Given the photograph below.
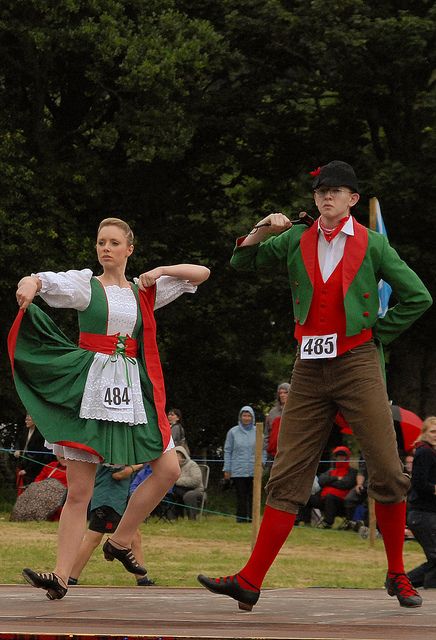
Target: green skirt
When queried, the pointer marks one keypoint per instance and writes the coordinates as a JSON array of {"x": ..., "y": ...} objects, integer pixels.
[{"x": 50, "y": 376}]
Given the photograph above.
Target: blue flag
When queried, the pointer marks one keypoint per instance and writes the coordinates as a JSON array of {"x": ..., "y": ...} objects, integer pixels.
[{"x": 384, "y": 289}]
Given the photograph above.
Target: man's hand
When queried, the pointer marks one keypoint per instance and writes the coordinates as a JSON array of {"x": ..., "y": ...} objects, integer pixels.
[{"x": 277, "y": 222}]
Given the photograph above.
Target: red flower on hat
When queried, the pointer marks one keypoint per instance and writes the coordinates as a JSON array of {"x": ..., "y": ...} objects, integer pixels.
[{"x": 315, "y": 172}]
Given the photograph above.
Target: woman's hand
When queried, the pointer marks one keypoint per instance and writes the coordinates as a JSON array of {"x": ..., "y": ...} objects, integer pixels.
[
  {"x": 27, "y": 289},
  {"x": 193, "y": 273},
  {"x": 149, "y": 278}
]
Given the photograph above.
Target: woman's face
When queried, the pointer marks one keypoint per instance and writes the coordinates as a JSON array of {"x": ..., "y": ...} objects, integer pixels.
[
  {"x": 172, "y": 417},
  {"x": 246, "y": 418},
  {"x": 430, "y": 435},
  {"x": 112, "y": 247},
  {"x": 29, "y": 422},
  {"x": 283, "y": 395}
]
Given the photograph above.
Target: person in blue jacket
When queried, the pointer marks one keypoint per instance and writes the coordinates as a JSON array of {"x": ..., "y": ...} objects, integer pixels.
[{"x": 239, "y": 454}]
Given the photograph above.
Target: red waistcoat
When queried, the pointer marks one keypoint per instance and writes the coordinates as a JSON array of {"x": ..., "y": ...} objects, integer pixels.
[{"x": 327, "y": 313}]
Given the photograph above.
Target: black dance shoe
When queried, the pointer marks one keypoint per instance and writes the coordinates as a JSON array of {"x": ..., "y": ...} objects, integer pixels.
[
  {"x": 125, "y": 556},
  {"x": 398, "y": 584},
  {"x": 48, "y": 581},
  {"x": 229, "y": 586}
]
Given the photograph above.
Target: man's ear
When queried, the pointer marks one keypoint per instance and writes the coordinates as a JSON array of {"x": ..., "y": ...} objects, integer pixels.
[{"x": 354, "y": 199}]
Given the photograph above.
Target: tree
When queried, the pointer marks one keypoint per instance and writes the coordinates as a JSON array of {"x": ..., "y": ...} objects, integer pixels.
[{"x": 192, "y": 120}]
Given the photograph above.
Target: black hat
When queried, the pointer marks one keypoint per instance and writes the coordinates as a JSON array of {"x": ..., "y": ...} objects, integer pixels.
[{"x": 335, "y": 174}]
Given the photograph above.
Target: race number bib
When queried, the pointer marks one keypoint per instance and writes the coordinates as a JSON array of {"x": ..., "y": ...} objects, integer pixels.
[
  {"x": 116, "y": 397},
  {"x": 313, "y": 347}
]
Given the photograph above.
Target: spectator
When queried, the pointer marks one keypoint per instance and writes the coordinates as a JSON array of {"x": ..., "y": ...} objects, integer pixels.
[
  {"x": 188, "y": 489},
  {"x": 177, "y": 429},
  {"x": 239, "y": 454},
  {"x": 355, "y": 503},
  {"x": 272, "y": 421},
  {"x": 408, "y": 463},
  {"x": 165, "y": 508},
  {"x": 421, "y": 517},
  {"x": 109, "y": 501},
  {"x": 31, "y": 454},
  {"x": 56, "y": 469},
  {"x": 335, "y": 485}
]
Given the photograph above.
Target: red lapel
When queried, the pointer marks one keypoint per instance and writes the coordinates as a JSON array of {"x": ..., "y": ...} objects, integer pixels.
[
  {"x": 354, "y": 253},
  {"x": 309, "y": 250},
  {"x": 152, "y": 360}
]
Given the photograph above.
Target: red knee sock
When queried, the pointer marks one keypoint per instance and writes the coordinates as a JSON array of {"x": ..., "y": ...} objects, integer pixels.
[
  {"x": 274, "y": 529},
  {"x": 391, "y": 520}
]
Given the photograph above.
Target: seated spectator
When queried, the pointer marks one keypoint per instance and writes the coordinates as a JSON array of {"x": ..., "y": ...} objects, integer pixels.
[
  {"x": 165, "y": 507},
  {"x": 57, "y": 470},
  {"x": 108, "y": 503},
  {"x": 188, "y": 489},
  {"x": 31, "y": 454},
  {"x": 335, "y": 485},
  {"x": 421, "y": 514},
  {"x": 309, "y": 515},
  {"x": 356, "y": 500}
]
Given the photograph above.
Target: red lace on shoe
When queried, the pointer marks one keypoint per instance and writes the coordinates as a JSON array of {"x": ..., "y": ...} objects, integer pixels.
[
  {"x": 402, "y": 585},
  {"x": 240, "y": 580}
]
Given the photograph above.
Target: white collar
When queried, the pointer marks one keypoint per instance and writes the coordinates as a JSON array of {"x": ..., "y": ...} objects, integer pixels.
[{"x": 348, "y": 227}]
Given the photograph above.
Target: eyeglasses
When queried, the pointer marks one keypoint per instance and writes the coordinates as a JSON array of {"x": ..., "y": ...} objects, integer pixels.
[{"x": 335, "y": 192}]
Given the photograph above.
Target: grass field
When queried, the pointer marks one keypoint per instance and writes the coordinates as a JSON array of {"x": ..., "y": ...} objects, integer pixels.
[{"x": 176, "y": 552}]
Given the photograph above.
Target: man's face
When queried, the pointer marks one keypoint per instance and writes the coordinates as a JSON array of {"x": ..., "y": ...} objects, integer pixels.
[
  {"x": 341, "y": 457},
  {"x": 334, "y": 203}
]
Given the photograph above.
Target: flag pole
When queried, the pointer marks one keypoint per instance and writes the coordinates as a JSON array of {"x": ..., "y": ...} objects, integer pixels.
[
  {"x": 372, "y": 213},
  {"x": 371, "y": 502},
  {"x": 257, "y": 484}
]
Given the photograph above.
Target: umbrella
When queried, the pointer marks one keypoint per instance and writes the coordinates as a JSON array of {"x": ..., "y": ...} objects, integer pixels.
[{"x": 407, "y": 427}]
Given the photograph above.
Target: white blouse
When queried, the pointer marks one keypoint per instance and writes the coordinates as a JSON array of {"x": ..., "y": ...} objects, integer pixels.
[{"x": 113, "y": 388}]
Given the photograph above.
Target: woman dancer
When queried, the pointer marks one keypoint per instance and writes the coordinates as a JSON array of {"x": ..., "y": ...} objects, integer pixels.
[{"x": 105, "y": 399}]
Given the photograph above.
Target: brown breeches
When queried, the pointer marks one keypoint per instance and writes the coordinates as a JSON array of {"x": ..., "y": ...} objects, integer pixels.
[{"x": 352, "y": 383}]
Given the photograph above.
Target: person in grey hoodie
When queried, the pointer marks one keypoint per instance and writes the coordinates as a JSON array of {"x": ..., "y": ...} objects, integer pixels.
[
  {"x": 239, "y": 452},
  {"x": 188, "y": 489}
]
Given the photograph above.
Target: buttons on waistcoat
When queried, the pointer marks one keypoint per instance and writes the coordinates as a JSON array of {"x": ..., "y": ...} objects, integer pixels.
[
  {"x": 366, "y": 314},
  {"x": 366, "y": 295}
]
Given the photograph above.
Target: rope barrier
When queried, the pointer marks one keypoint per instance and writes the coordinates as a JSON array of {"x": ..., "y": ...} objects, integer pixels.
[{"x": 167, "y": 501}]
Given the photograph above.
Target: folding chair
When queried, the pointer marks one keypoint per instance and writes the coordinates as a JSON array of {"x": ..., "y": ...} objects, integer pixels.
[{"x": 164, "y": 510}]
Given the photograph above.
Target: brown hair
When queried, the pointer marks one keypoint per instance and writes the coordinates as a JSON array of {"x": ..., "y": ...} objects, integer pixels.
[
  {"x": 428, "y": 422},
  {"x": 117, "y": 222}
]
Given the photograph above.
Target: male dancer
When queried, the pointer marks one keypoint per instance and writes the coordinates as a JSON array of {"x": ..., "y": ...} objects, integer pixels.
[{"x": 333, "y": 268}]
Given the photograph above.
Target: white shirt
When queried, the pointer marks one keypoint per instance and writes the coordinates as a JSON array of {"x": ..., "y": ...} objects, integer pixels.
[{"x": 330, "y": 253}]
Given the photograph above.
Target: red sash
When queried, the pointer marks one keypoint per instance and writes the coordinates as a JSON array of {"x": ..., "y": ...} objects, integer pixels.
[{"x": 108, "y": 344}]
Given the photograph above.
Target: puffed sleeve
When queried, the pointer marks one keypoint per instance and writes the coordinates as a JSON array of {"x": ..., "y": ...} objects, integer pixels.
[
  {"x": 66, "y": 289},
  {"x": 169, "y": 288}
]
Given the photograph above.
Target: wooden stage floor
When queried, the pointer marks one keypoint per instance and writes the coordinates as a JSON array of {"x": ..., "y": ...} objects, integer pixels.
[{"x": 164, "y": 613}]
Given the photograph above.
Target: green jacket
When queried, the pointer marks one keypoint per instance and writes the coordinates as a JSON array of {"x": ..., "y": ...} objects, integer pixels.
[{"x": 368, "y": 257}]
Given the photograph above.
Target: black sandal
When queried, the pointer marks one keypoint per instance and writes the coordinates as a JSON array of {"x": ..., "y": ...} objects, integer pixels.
[
  {"x": 125, "y": 556},
  {"x": 48, "y": 581}
]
